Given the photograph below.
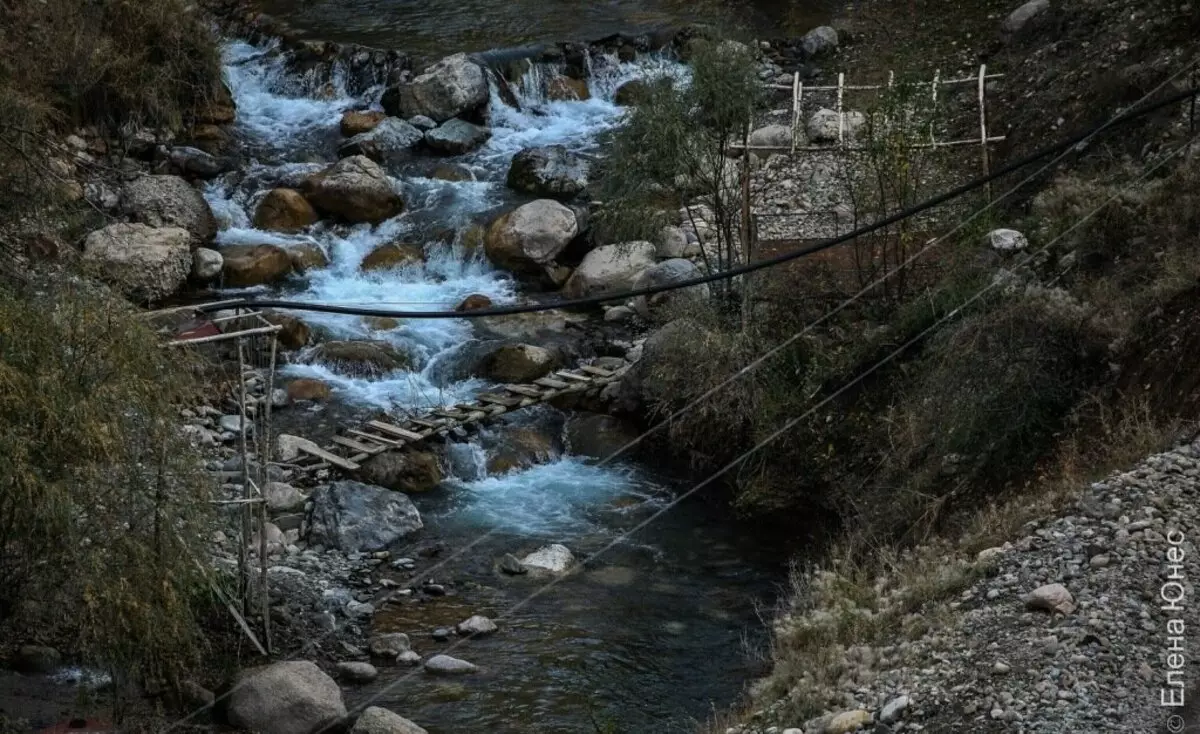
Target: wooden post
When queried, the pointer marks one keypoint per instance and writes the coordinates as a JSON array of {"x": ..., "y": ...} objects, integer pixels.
[
  {"x": 983, "y": 133},
  {"x": 243, "y": 570},
  {"x": 264, "y": 457},
  {"x": 797, "y": 89},
  {"x": 937, "y": 80},
  {"x": 745, "y": 233},
  {"x": 840, "y": 114}
]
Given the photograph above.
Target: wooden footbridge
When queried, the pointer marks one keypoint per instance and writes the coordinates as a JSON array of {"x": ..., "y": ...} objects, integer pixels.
[
  {"x": 354, "y": 445},
  {"x": 189, "y": 326}
]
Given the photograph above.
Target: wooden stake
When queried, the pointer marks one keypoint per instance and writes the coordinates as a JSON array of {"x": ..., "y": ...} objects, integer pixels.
[
  {"x": 841, "y": 121},
  {"x": 983, "y": 134},
  {"x": 797, "y": 90}
]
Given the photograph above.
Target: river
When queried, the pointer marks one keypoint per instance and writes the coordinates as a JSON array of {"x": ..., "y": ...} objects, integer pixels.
[
  {"x": 432, "y": 27},
  {"x": 651, "y": 637}
]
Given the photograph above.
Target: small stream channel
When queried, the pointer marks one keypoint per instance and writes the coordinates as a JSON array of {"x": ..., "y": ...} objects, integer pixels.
[{"x": 650, "y": 637}]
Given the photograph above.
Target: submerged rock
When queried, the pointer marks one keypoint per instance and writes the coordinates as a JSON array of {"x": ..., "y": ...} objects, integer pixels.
[
  {"x": 476, "y": 626},
  {"x": 392, "y": 255},
  {"x": 376, "y": 720},
  {"x": 565, "y": 88},
  {"x": 446, "y": 665},
  {"x": 357, "y": 517},
  {"x": 551, "y": 171},
  {"x": 357, "y": 672},
  {"x": 597, "y": 435},
  {"x": 285, "y": 698},
  {"x": 361, "y": 358}
]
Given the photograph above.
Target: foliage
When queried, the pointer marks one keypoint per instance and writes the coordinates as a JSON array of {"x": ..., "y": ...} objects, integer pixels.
[
  {"x": 103, "y": 504},
  {"x": 676, "y": 146},
  {"x": 103, "y": 63}
]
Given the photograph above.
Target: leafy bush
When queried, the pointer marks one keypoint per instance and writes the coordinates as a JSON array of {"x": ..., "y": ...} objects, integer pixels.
[{"x": 104, "y": 508}]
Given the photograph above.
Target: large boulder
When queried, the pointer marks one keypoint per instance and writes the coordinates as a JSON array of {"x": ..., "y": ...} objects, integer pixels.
[
  {"x": 392, "y": 255},
  {"x": 550, "y": 559},
  {"x": 355, "y": 189},
  {"x": 610, "y": 269},
  {"x": 519, "y": 363},
  {"x": 819, "y": 42},
  {"x": 143, "y": 262},
  {"x": 284, "y": 210},
  {"x": 356, "y": 517},
  {"x": 197, "y": 163},
  {"x": 377, "y": 720},
  {"x": 669, "y": 272},
  {"x": 169, "y": 201},
  {"x": 455, "y": 137},
  {"x": 361, "y": 358},
  {"x": 452, "y": 87},
  {"x": 388, "y": 139},
  {"x": 206, "y": 264},
  {"x": 1019, "y": 18},
  {"x": 404, "y": 471},
  {"x": 291, "y": 697},
  {"x": 521, "y": 447},
  {"x": 777, "y": 137},
  {"x": 824, "y": 124},
  {"x": 250, "y": 265},
  {"x": 551, "y": 171},
  {"x": 632, "y": 93},
  {"x": 597, "y": 435},
  {"x": 529, "y": 237},
  {"x": 306, "y": 256}
]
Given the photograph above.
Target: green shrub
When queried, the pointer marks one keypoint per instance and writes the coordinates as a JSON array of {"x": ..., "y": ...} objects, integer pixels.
[{"x": 104, "y": 507}]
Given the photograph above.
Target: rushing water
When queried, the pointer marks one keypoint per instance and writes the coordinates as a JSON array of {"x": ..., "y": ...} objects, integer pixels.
[
  {"x": 648, "y": 637},
  {"x": 430, "y": 27}
]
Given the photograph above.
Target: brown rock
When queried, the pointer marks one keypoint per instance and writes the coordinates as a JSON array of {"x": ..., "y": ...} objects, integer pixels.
[
  {"x": 307, "y": 256},
  {"x": 520, "y": 363},
  {"x": 354, "y": 189},
  {"x": 565, "y": 88},
  {"x": 381, "y": 323},
  {"x": 307, "y": 389},
  {"x": 404, "y": 471},
  {"x": 522, "y": 447},
  {"x": 247, "y": 265},
  {"x": 220, "y": 109},
  {"x": 361, "y": 358},
  {"x": 392, "y": 255},
  {"x": 355, "y": 122},
  {"x": 294, "y": 334},
  {"x": 452, "y": 172},
  {"x": 284, "y": 210},
  {"x": 473, "y": 238},
  {"x": 632, "y": 93},
  {"x": 474, "y": 302}
]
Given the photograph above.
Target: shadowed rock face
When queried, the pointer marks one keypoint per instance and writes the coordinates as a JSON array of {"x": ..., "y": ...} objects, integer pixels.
[{"x": 357, "y": 517}]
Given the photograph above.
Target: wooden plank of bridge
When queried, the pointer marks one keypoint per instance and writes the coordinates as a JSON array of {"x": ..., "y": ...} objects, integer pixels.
[
  {"x": 356, "y": 446},
  {"x": 395, "y": 430},
  {"x": 568, "y": 375},
  {"x": 328, "y": 458},
  {"x": 494, "y": 399},
  {"x": 596, "y": 371},
  {"x": 425, "y": 423},
  {"x": 551, "y": 383},
  {"x": 452, "y": 414},
  {"x": 526, "y": 390},
  {"x": 372, "y": 437}
]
